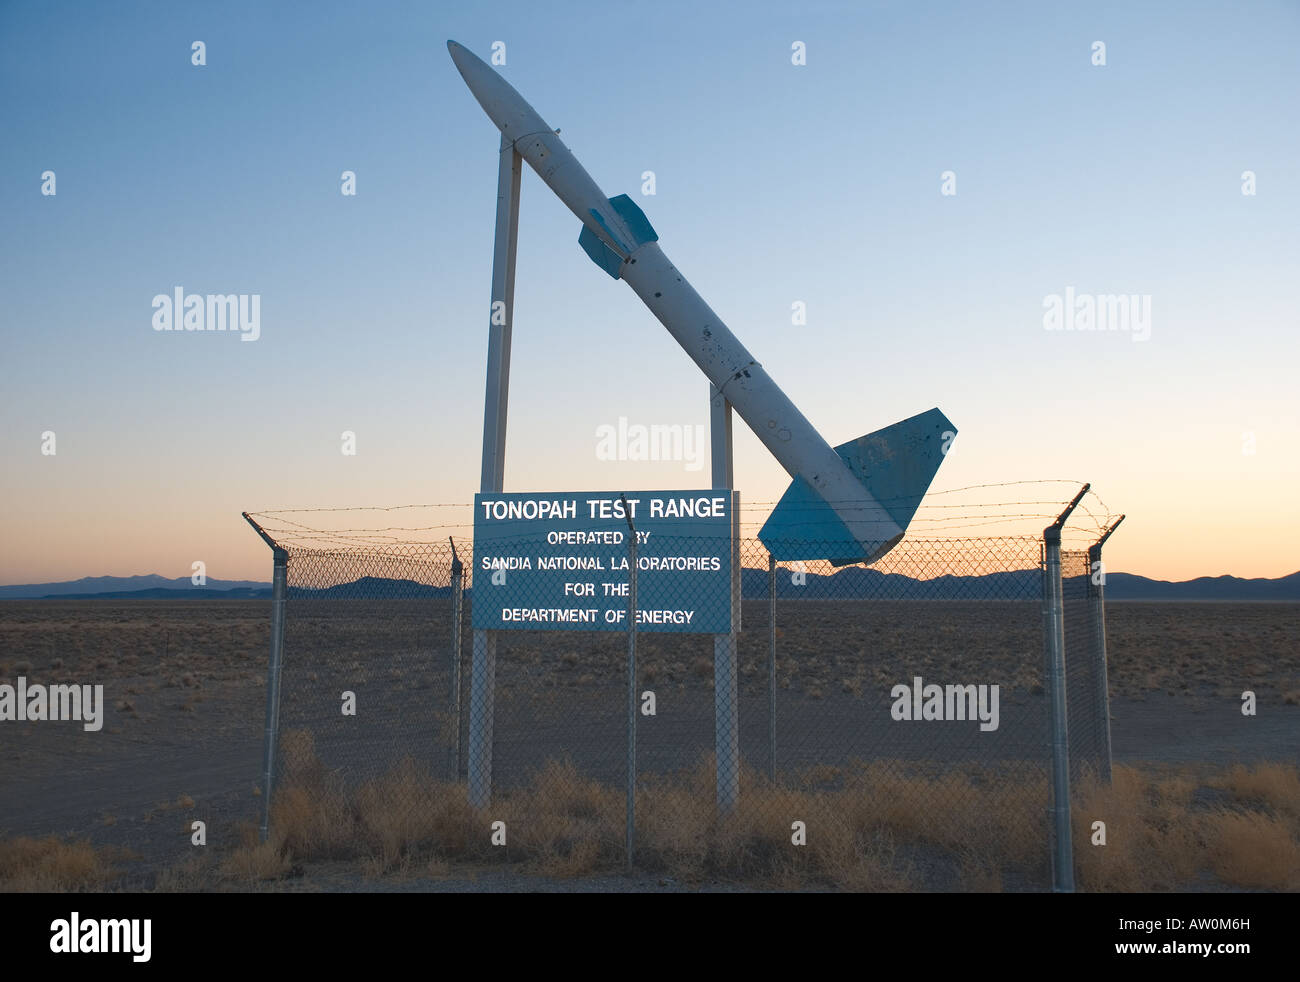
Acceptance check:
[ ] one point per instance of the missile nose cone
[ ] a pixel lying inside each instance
(504, 106)
(462, 56)
(476, 74)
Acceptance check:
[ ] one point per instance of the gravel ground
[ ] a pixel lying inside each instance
(182, 738)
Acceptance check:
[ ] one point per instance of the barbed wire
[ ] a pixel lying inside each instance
(470, 504)
(925, 524)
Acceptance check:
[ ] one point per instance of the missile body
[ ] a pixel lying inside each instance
(618, 238)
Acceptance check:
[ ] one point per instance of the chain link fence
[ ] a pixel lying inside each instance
(365, 672)
(877, 726)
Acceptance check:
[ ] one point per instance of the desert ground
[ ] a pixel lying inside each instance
(1203, 797)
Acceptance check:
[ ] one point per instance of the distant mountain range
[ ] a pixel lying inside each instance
(1129, 586)
(852, 582)
(144, 587)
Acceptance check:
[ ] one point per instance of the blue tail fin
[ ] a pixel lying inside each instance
(895, 465)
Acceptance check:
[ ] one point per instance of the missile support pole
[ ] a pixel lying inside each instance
(482, 693)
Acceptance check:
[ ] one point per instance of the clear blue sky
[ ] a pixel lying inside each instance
(775, 183)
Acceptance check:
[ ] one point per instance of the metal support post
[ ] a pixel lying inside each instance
(1097, 608)
(279, 590)
(771, 669)
(1054, 645)
(279, 586)
(482, 693)
(726, 711)
(453, 696)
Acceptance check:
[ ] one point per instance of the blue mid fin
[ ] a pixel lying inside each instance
(895, 465)
(637, 225)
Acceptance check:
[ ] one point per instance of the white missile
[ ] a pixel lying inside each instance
(829, 511)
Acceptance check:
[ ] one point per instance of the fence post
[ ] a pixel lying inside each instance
(1054, 646)
(279, 586)
(630, 832)
(457, 599)
(1097, 609)
(726, 703)
(771, 668)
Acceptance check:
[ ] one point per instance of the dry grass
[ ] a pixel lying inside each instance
(405, 810)
(882, 826)
(50, 865)
(311, 810)
(1254, 850)
(1158, 838)
(858, 823)
(256, 862)
(250, 863)
(1275, 786)
(1152, 840)
(565, 824)
(192, 874)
